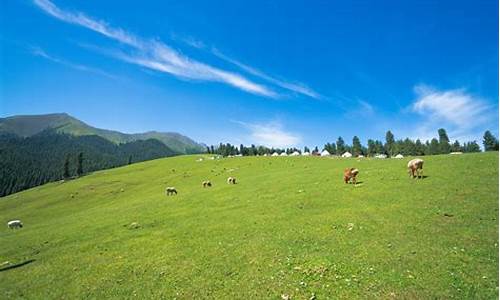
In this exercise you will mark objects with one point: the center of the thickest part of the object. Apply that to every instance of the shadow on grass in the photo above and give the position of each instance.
(17, 265)
(420, 177)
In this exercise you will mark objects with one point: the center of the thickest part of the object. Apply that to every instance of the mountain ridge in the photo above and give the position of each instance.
(29, 125)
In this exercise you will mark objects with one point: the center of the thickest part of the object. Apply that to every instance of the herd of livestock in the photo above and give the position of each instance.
(415, 170)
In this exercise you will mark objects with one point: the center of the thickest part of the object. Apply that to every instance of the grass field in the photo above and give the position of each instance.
(290, 226)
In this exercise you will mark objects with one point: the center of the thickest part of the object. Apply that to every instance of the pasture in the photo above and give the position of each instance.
(290, 226)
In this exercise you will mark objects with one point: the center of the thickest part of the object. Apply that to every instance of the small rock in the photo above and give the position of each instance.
(285, 297)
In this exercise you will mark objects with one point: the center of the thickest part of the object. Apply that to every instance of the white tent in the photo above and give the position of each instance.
(380, 156)
(347, 154)
(361, 156)
(306, 154)
(275, 154)
(325, 153)
(455, 153)
(399, 156)
(295, 153)
(283, 154)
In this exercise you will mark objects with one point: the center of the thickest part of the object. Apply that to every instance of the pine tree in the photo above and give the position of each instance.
(371, 148)
(79, 170)
(490, 142)
(444, 142)
(66, 173)
(456, 147)
(434, 147)
(389, 143)
(340, 146)
(356, 146)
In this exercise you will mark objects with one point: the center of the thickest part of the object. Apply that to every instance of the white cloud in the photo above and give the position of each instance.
(294, 87)
(270, 134)
(155, 54)
(41, 53)
(462, 114)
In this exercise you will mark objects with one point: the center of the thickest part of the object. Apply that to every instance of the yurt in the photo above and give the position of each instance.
(399, 156)
(275, 154)
(283, 154)
(306, 154)
(325, 153)
(295, 153)
(347, 154)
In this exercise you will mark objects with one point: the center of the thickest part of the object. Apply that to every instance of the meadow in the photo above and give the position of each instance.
(289, 227)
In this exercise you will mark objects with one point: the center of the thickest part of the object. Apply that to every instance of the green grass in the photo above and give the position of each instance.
(290, 226)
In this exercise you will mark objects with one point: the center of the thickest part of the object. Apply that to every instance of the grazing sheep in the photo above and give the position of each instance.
(170, 191)
(416, 167)
(15, 224)
(231, 180)
(206, 183)
(350, 175)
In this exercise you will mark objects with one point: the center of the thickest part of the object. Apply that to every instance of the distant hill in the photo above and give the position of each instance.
(30, 125)
(31, 161)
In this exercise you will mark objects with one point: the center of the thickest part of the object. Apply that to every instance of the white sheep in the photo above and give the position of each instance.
(15, 224)
(170, 191)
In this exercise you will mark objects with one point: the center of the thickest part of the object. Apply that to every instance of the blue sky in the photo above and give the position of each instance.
(276, 73)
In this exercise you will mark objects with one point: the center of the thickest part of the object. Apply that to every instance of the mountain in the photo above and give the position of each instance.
(31, 161)
(30, 125)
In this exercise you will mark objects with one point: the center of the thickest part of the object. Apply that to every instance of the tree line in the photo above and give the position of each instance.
(50, 156)
(391, 147)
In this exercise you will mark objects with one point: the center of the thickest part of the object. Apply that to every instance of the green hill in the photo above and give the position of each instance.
(40, 158)
(30, 125)
(289, 227)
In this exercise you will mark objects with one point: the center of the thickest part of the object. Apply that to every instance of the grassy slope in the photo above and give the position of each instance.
(282, 229)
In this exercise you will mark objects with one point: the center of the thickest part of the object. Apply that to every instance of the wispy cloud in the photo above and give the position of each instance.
(294, 87)
(463, 113)
(41, 53)
(270, 134)
(156, 55)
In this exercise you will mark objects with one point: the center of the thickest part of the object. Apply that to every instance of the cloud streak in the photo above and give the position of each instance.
(41, 53)
(270, 134)
(156, 55)
(294, 87)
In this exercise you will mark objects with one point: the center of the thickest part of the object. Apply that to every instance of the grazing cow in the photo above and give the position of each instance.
(231, 180)
(170, 191)
(206, 183)
(416, 168)
(15, 224)
(350, 175)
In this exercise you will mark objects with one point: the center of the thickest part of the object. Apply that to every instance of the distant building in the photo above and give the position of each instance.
(347, 154)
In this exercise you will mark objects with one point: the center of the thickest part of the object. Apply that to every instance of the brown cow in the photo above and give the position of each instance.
(350, 175)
